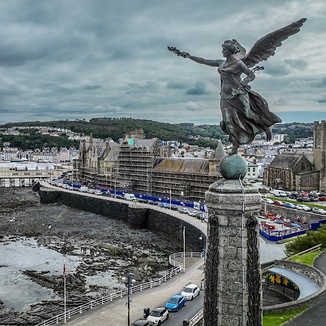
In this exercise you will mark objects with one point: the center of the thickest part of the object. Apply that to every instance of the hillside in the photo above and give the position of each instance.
(116, 128)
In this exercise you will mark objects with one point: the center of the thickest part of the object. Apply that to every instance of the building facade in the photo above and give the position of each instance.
(301, 171)
(142, 165)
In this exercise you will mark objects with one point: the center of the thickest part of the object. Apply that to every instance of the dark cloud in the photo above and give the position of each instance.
(198, 89)
(83, 59)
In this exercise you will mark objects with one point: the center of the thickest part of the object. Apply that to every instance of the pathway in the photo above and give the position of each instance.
(115, 313)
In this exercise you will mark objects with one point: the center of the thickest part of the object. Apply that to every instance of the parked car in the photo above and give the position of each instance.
(303, 199)
(267, 200)
(278, 203)
(141, 322)
(142, 200)
(201, 215)
(130, 197)
(278, 193)
(190, 291)
(175, 303)
(323, 198)
(289, 205)
(151, 202)
(303, 208)
(91, 191)
(317, 210)
(158, 316)
(192, 212)
(183, 210)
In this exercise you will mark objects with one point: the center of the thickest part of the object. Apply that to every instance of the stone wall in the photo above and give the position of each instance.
(313, 273)
(159, 222)
(294, 214)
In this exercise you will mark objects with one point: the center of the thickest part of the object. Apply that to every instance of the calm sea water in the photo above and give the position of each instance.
(17, 291)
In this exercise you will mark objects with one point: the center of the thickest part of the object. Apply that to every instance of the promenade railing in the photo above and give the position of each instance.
(110, 297)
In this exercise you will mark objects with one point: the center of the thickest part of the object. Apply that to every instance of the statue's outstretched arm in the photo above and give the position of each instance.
(207, 62)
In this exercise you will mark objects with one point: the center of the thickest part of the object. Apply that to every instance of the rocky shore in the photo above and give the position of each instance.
(103, 245)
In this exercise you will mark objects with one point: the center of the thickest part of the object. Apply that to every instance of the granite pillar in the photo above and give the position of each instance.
(232, 273)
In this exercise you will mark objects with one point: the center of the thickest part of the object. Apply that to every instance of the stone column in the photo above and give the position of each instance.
(232, 274)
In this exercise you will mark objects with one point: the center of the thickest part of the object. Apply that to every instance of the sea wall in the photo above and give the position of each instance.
(134, 215)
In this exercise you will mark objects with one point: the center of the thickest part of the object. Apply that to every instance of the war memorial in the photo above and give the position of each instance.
(232, 272)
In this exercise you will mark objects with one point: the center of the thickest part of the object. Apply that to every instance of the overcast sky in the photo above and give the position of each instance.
(81, 59)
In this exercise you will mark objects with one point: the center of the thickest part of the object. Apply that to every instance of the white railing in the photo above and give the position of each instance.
(173, 257)
(110, 297)
(197, 318)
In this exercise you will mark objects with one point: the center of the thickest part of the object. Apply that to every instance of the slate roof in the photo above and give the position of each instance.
(219, 152)
(195, 165)
(286, 161)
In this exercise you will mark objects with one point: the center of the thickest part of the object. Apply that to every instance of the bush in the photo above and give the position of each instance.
(311, 239)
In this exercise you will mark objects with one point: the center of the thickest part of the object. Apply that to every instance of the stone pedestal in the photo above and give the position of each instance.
(232, 274)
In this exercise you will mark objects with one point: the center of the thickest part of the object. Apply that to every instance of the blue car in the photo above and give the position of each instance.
(176, 302)
(289, 205)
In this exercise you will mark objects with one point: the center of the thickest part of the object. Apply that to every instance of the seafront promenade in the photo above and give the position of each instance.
(115, 313)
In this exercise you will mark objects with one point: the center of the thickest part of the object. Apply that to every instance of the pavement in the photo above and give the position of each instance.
(116, 312)
(315, 315)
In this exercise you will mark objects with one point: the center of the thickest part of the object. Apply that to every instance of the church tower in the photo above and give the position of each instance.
(319, 151)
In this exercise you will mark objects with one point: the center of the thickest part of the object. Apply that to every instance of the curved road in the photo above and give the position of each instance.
(315, 315)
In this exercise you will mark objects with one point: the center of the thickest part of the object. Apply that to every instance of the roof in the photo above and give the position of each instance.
(138, 142)
(219, 152)
(286, 161)
(181, 165)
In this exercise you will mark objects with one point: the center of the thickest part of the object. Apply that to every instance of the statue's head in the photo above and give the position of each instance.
(231, 46)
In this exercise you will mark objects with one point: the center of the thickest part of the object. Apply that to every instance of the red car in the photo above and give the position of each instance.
(278, 203)
(322, 198)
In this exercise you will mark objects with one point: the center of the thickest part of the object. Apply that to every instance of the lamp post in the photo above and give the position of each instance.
(204, 245)
(170, 199)
(128, 281)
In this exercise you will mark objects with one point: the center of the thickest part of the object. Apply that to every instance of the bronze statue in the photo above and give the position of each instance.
(245, 113)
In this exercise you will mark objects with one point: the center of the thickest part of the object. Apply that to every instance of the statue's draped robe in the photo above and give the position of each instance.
(246, 114)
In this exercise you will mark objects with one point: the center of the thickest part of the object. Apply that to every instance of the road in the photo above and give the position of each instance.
(189, 310)
(316, 314)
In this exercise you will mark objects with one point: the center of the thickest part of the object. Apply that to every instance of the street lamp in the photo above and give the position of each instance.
(204, 245)
(170, 199)
(128, 281)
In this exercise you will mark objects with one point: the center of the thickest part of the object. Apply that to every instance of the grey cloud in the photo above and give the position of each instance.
(198, 89)
(84, 59)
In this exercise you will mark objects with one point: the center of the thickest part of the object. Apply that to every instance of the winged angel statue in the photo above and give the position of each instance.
(245, 113)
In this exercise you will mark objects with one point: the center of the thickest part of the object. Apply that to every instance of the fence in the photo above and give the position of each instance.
(173, 258)
(110, 297)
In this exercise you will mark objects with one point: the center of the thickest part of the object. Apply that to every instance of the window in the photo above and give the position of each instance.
(303, 166)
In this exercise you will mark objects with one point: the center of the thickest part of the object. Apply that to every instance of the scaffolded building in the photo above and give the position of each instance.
(142, 166)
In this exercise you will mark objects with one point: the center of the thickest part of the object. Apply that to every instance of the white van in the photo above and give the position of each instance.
(129, 197)
(278, 193)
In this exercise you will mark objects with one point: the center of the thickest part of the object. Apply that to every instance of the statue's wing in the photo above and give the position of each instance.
(242, 51)
(266, 46)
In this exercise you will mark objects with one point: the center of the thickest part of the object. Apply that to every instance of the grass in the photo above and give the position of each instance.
(277, 319)
(290, 239)
(282, 199)
(281, 318)
(307, 258)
